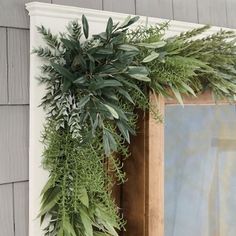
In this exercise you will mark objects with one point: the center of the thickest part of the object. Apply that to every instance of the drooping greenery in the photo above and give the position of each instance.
(93, 85)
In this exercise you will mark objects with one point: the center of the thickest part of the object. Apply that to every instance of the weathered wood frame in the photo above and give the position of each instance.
(142, 197)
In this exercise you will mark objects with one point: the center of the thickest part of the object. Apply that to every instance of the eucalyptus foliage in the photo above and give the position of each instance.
(93, 85)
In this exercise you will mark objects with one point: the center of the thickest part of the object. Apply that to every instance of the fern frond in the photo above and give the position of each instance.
(44, 52)
(51, 40)
(75, 31)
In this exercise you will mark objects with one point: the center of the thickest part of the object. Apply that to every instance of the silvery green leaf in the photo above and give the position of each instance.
(128, 48)
(112, 111)
(154, 45)
(85, 26)
(151, 57)
(142, 70)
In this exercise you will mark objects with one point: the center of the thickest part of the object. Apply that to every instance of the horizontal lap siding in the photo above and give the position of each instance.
(14, 127)
(21, 201)
(213, 12)
(231, 10)
(3, 66)
(18, 66)
(123, 6)
(185, 10)
(155, 8)
(6, 210)
(94, 4)
(13, 13)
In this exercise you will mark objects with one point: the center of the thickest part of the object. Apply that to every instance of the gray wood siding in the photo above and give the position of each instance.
(3, 66)
(13, 13)
(155, 8)
(124, 6)
(6, 210)
(231, 13)
(185, 10)
(94, 4)
(14, 128)
(21, 213)
(213, 12)
(18, 66)
(14, 79)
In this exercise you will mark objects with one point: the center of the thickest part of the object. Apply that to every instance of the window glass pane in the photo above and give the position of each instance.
(200, 170)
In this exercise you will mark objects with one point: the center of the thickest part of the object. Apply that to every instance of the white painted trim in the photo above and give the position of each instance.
(70, 12)
(57, 17)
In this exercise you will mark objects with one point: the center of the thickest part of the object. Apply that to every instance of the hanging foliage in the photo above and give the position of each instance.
(93, 84)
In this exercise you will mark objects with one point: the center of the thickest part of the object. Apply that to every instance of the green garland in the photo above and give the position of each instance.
(92, 89)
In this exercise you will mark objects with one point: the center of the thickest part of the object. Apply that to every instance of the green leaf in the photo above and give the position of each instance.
(104, 83)
(50, 202)
(47, 186)
(49, 195)
(125, 94)
(154, 45)
(71, 44)
(188, 88)
(110, 229)
(177, 95)
(142, 70)
(109, 142)
(91, 63)
(61, 232)
(109, 27)
(100, 234)
(131, 85)
(128, 21)
(87, 222)
(83, 101)
(68, 228)
(128, 48)
(112, 111)
(141, 77)
(85, 26)
(63, 71)
(151, 57)
(79, 61)
(123, 131)
(106, 144)
(66, 85)
(139, 73)
(104, 51)
(125, 22)
(102, 36)
(80, 80)
(83, 197)
(107, 221)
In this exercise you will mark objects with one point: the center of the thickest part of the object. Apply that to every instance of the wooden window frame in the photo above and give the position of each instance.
(142, 197)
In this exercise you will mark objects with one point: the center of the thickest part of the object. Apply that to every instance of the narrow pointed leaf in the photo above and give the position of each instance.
(63, 71)
(112, 111)
(177, 95)
(151, 57)
(83, 197)
(154, 45)
(87, 223)
(128, 48)
(85, 26)
(109, 27)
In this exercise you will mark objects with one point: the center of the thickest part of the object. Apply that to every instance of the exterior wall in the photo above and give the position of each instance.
(14, 79)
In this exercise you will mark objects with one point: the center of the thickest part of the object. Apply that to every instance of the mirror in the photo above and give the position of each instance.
(200, 170)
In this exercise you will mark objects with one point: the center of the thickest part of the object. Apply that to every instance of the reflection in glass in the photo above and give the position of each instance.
(200, 170)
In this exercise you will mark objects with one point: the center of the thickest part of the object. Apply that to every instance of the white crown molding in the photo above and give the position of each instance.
(70, 12)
